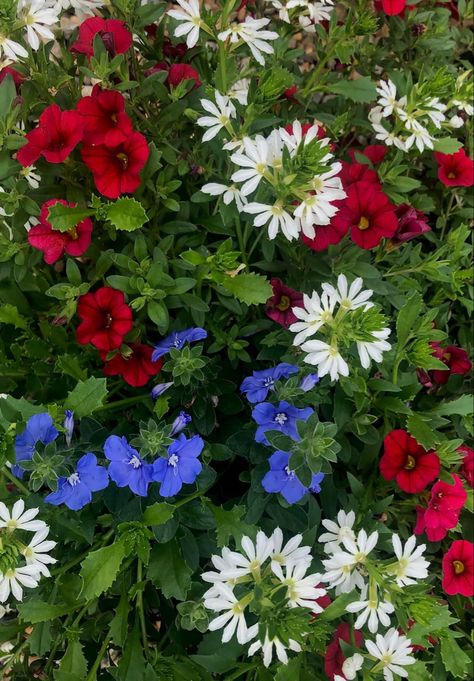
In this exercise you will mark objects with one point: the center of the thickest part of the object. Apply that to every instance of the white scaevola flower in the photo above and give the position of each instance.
(292, 140)
(252, 558)
(349, 297)
(393, 651)
(11, 581)
(314, 210)
(372, 610)
(421, 138)
(233, 617)
(221, 113)
(33, 178)
(229, 193)
(240, 91)
(435, 110)
(254, 163)
(276, 216)
(387, 92)
(337, 531)
(11, 49)
(19, 519)
(303, 590)
(464, 106)
(456, 122)
(360, 548)
(328, 185)
(36, 553)
(81, 7)
(291, 552)
(280, 649)
(31, 222)
(319, 11)
(316, 312)
(250, 32)
(411, 564)
(389, 138)
(369, 350)
(350, 667)
(36, 18)
(341, 573)
(326, 357)
(190, 15)
(223, 564)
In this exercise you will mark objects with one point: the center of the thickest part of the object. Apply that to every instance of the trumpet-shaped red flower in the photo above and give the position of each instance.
(57, 134)
(136, 368)
(55, 244)
(357, 172)
(327, 235)
(456, 360)
(17, 77)
(458, 569)
(467, 467)
(443, 509)
(279, 306)
(179, 72)
(106, 318)
(407, 462)
(411, 223)
(455, 170)
(334, 657)
(391, 7)
(104, 117)
(115, 36)
(116, 169)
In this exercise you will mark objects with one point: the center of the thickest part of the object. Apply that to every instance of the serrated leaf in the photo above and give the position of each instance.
(447, 145)
(87, 396)
(407, 317)
(100, 568)
(251, 288)
(35, 611)
(359, 90)
(126, 214)
(462, 406)
(229, 524)
(73, 664)
(169, 571)
(158, 514)
(422, 431)
(10, 315)
(64, 218)
(455, 660)
(290, 671)
(419, 672)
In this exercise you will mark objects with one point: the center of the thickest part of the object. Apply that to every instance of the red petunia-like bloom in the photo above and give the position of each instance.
(17, 77)
(279, 306)
(104, 117)
(443, 510)
(357, 172)
(115, 36)
(106, 318)
(326, 235)
(54, 243)
(174, 51)
(137, 368)
(458, 569)
(393, 7)
(179, 72)
(411, 223)
(57, 134)
(456, 359)
(334, 657)
(116, 170)
(455, 170)
(408, 463)
(374, 152)
(467, 467)
(367, 213)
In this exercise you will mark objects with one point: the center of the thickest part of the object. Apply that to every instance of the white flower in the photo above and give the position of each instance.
(191, 18)
(316, 312)
(251, 33)
(302, 591)
(12, 579)
(464, 106)
(411, 564)
(435, 110)
(31, 176)
(254, 163)
(277, 217)
(319, 11)
(36, 553)
(292, 552)
(280, 650)
(328, 186)
(326, 357)
(372, 610)
(337, 530)
(350, 298)
(350, 667)
(292, 140)
(12, 49)
(254, 556)
(361, 547)
(220, 118)
(456, 122)
(233, 617)
(19, 520)
(36, 17)
(240, 91)
(421, 138)
(229, 193)
(373, 349)
(341, 573)
(387, 92)
(80, 6)
(4, 611)
(314, 210)
(393, 652)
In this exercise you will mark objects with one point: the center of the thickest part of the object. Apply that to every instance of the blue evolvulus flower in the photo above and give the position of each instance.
(180, 466)
(282, 417)
(39, 428)
(177, 339)
(280, 478)
(257, 386)
(76, 490)
(127, 468)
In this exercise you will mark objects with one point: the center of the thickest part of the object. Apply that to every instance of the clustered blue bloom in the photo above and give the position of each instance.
(282, 417)
(177, 339)
(180, 466)
(39, 428)
(280, 478)
(76, 490)
(257, 386)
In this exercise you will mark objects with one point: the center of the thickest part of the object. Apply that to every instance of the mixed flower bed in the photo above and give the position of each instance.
(235, 299)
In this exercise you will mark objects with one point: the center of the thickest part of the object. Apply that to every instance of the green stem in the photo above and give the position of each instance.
(123, 403)
(141, 610)
(92, 675)
(15, 480)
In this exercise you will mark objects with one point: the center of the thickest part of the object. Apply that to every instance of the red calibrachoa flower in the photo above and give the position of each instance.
(411, 223)
(443, 510)
(458, 569)
(17, 77)
(57, 134)
(392, 7)
(326, 235)
(455, 170)
(357, 172)
(116, 170)
(456, 359)
(136, 368)
(54, 243)
(115, 36)
(408, 463)
(179, 72)
(106, 318)
(467, 468)
(367, 213)
(104, 117)
(279, 306)
(334, 657)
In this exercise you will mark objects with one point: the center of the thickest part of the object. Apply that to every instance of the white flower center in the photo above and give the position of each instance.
(260, 168)
(289, 472)
(74, 479)
(281, 418)
(268, 382)
(333, 352)
(223, 119)
(135, 462)
(12, 524)
(173, 460)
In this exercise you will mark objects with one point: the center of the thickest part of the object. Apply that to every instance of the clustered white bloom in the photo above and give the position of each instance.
(393, 652)
(284, 565)
(252, 34)
(309, 13)
(36, 18)
(35, 554)
(221, 113)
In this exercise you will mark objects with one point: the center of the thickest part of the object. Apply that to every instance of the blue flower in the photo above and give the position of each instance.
(68, 425)
(127, 468)
(309, 382)
(259, 383)
(181, 465)
(285, 481)
(282, 417)
(159, 389)
(176, 340)
(76, 490)
(179, 423)
(39, 428)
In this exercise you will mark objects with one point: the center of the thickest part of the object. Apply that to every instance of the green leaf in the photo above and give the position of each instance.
(447, 145)
(87, 396)
(100, 568)
(462, 406)
(35, 611)
(158, 313)
(69, 366)
(251, 289)
(422, 431)
(73, 665)
(126, 214)
(337, 607)
(454, 658)
(10, 315)
(158, 514)
(407, 316)
(64, 218)
(359, 90)
(132, 662)
(290, 671)
(230, 524)
(119, 624)
(169, 571)
(419, 672)
(7, 95)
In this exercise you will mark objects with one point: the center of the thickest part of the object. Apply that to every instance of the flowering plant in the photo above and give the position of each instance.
(235, 288)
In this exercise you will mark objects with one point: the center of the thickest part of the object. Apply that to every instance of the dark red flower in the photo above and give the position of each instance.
(374, 152)
(458, 569)
(135, 368)
(367, 213)
(104, 117)
(106, 318)
(115, 36)
(334, 657)
(467, 467)
(279, 306)
(116, 170)
(17, 77)
(411, 223)
(326, 235)
(408, 463)
(443, 510)
(455, 170)
(174, 51)
(357, 172)
(55, 244)
(323, 601)
(179, 72)
(57, 134)
(290, 93)
(456, 360)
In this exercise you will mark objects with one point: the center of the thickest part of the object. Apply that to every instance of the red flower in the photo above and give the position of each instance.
(326, 235)
(323, 602)
(290, 93)
(393, 7)
(374, 152)
(334, 657)
(458, 569)
(357, 172)
(467, 468)
(54, 243)
(279, 306)
(443, 509)
(115, 36)
(57, 134)
(18, 77)
(137, 368)
(407, 462)
(104, 117)
(456, 359)
(174, 51)
(368, 214)
(179, 72)
(411, 223)
(106, 318)
(455, 170)
(116, 170)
